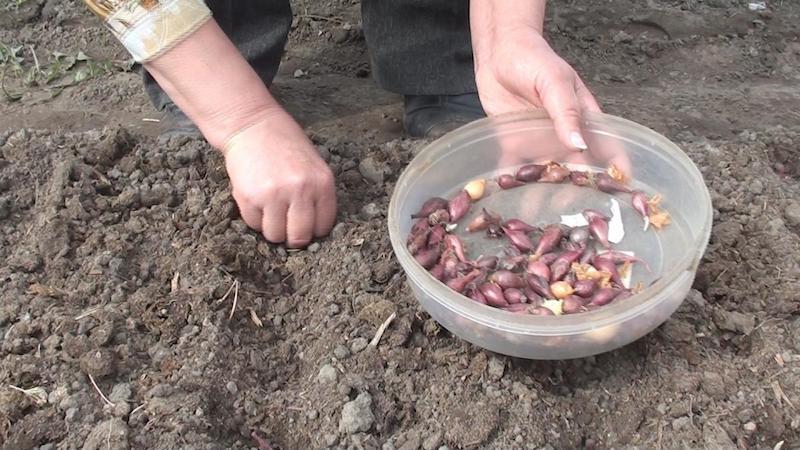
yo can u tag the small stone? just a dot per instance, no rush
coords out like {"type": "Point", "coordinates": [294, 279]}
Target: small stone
{"type": "Point", "coordinates": [358, 344]}
{"type": "Point", "coordinates": [716, 438]}
{"type": "Point", "coordinates": [745, 415]}
{"type": "Point", "coordinates": [72, 414]}
{"type": "Point", "coordinates": [372, 170]}
{"type": "Point", "coordinates": [444, 447]}
{"type": "Point", "coordinates": [25, 261]}
{"type": "Point", "coordinates": [661, 408]}
{"type": "Point", "coordinates": [622, 36]}
{"type": "Point", "coordinates": [98, 363]}
{"type": "Point", "coordinates": [750, 427]}
{"type": "Point", "coordinates": [681, 423]}
{"type": "Point", "coordinates": [341, 352]}
{"type": "Point", "coordinates": [48, 446]}
{"type": "Point", "coordinates": [433, 441]}
{"type": "Point", "coordinates": [357, 415]}
{"type": "Point", "coordinates": [792, 213]}
{"type": "Point", "coordinates": [327, 374]}
{"type": "Point", "coordinates": [339, 230]}
{"type": "Point", "coordinates": [388, 446]}
{"type": "Point", "coordinates": [232, 388]}
{"type": "Point", "coordinates": [370, 211]}
{"type": "Point", "coordinates": [299, 73]}
{"type": "Point", "coordinates": [314, 247]}
{"type": "Point", "coordinates": [340, 35]}
{"type": "Point", "coordinates": [112, 433]}
{"type": "Point", "coordinates": [756, 186]}
{"type": "Point", "coordinates": [312, 414]}
{"type": "Point", "coordinates": [696, 298]}
{"type": "Point", "coordinates": [735, 321]}
{"type": "Point", "coordinates": [713, 385]}
{"type": "Point", "coordinates": [496, 368]}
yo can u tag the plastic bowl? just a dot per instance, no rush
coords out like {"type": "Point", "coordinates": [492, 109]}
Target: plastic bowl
{"type": "Point", "coordinates": [495, 145]}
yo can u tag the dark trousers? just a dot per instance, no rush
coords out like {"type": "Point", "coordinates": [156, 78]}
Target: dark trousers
{"type": "Point", "coordinates": [416, 47]}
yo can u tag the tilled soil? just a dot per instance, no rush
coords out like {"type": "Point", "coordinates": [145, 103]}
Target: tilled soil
{"type": "Point", "coordinates": [123, 263]}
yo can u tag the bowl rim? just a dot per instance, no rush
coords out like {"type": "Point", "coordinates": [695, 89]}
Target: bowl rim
{"type": "Point", "coordinates": [546, 325]}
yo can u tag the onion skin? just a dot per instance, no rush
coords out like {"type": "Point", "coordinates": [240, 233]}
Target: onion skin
{"type": "Point", "coordinates": [428, 257]}
{"type": "Point", "coordinates": [483, 221]}
{"type": "Point", "coordinates": [562, 264]}
{"type": "Point", "coordinates": [589, 214]}
{"type": "Point", "coordinates": [530, 172]}
{"type": "Point", "coordinates": [451, 241]}
{"type": "Point", "coordinates": [514, 295]}
{"type": "Point", "coordinates": [516, 308]}
{"type": "Point", "coordinates": [573, 304]}
{"type": "Point", "coordinates": [476, 295]}
{"type": "Point", "coordinates": [539, 285]}
{"type": "Point", "coordinates": [507, 181]}
{"type": "Point", "coordinates": [604, 296]}
{"type": "Point", "coordinates": [493, 294]}
{"type": "Point", "coordinates": [460, 284]}
{"type": "Point", "coordinates": [418, 242]}
{"type": "Point", "coordinates": [507, 279]}
{"type": "Point", "coordinates": [438, 272]}
{"type": "Point", "coordinates": [439, 216]}
{"type": "Point", "coordinates": [494, 231]}
{"type": "Point", "coordinates": [605, 183]}
{"type": "Point", "coordinates": [619, 258]}
{"type": "Point", "coordinates": [554, 173]}
{"type": "Point", "coordinates": [579, 235]}
{"type": "Point", "coordinates": [549, 258]}
{"type": "Point", "coordinates": [458, 206]}
{"type": "Point", "coordinates": [486, 262]}
{"type": "Point", "coordinates": [430, 206]}
{"type": "Point", "coordinates": [580, 178]}
{"type": "Point", "coordinates": [599, 229]}
{"type": "Point", "coordinates": [437, 235]}
{"type": "Point", "coordinates": [639, 203]}
{"type": "Point", "coordinates": [585, 288]}
{"type": "Point", "coordinates": [542, 311]}
{"type": "Point", "coordinates": [550, 239]}
{"type": "Point", "coordinates": [607, 265]}
{"type": "Point", "coordinates": [519, 239]}
{"type": "Point", "coordinates": [587, 256]}
{"type": "Point", "coordinates": [561, 289]}
{"type": "Point", "coordinates": [518, 225]}
{"type": "Point", "coordinates": [537, 267]}
{"type": "Point", "coordinates": [511, 262]}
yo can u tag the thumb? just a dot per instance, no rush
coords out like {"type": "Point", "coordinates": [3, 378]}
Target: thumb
{"type": "Point", "coordinates": [562, 104]}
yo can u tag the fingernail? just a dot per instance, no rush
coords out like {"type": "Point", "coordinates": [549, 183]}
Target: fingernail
{"type": "Point", "coordinates": [577, 140]}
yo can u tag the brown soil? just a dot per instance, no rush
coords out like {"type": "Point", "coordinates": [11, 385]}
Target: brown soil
{"type": "Point", "coordinates": [121, 258]}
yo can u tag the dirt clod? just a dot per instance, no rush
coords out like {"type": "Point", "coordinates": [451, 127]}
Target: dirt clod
{"type": "Point", "coordinates": [357, 415]}
{"type": "Point", "coordinates": [98, 363]}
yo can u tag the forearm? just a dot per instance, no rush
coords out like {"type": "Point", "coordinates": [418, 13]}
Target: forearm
{"type": "Point", "coordinates": [213, 84]}
{"type": "Point", "coordinates": [490, 19]}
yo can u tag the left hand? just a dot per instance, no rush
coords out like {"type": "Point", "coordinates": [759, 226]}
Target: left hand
{"type": "Point", "coordinates": [517, 70]}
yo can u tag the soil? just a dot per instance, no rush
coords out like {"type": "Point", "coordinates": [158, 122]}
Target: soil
{"type": "Point", "coordinates": [123, 262]}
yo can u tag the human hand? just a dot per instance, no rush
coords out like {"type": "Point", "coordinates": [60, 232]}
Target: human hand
{"type": "Point", "coordinates": [282, 186]}
{"type": "Point", "coordinates": [517, 70]}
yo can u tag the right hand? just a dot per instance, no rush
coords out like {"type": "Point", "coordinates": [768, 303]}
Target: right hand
{"type": "Point", "coordinates": [282, 186]}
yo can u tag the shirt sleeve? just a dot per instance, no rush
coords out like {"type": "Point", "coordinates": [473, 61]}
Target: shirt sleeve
{"type": "Point", "coordinates": [149, 28]}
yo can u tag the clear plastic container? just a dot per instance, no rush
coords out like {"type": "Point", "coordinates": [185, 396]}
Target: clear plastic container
{"type": "Point", "coordinates": [499, 145]}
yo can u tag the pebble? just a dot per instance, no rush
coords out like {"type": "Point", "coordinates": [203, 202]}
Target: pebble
{"type": "Point", "coordinates": [357, 415]}
{"type": "Point", "coordinates": [433, 441]}
{"type": "Point", "coordinates": [112, 433]}
{"type": "Point", "coordinates": [312, 414]}
{"type": "Point", "coordinates": [372, 170]}
{"type": "Point", "coordinates": [371, 210]}
{"type": "Point", "coordinates": [341, 352]}
{"type": "Point", "coordinates": [496, 368]}
{"type": "Point", "coordinates": [792, 213]}
{"type": "Point", "coordinates": [327, 374]}
{"type": "Point", "coordinates": [339, 230]}
{"type": "Point", "coordinates": [713, 385]}
{"type": "Point", "coordinates": [98, 363]}
{"type": "Point", "coordinates": [756, 186]}
{"type": "Point", "coordinates": [735, 321]}
{"type": "Point", "coordinates": [314, 247]}
{"type": "Point", "coordinates": [750, 427]}
{"type": "Point", "coordinates": [72, 414]}
{"type": "Point", "coordinates": [358, 344]}
{"type": "Point", "coordinates": [680, 423]}
{"type": "Point", "coordinates": [299, 73]}
{"type": "Point", "coordinates": [232, 388]}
